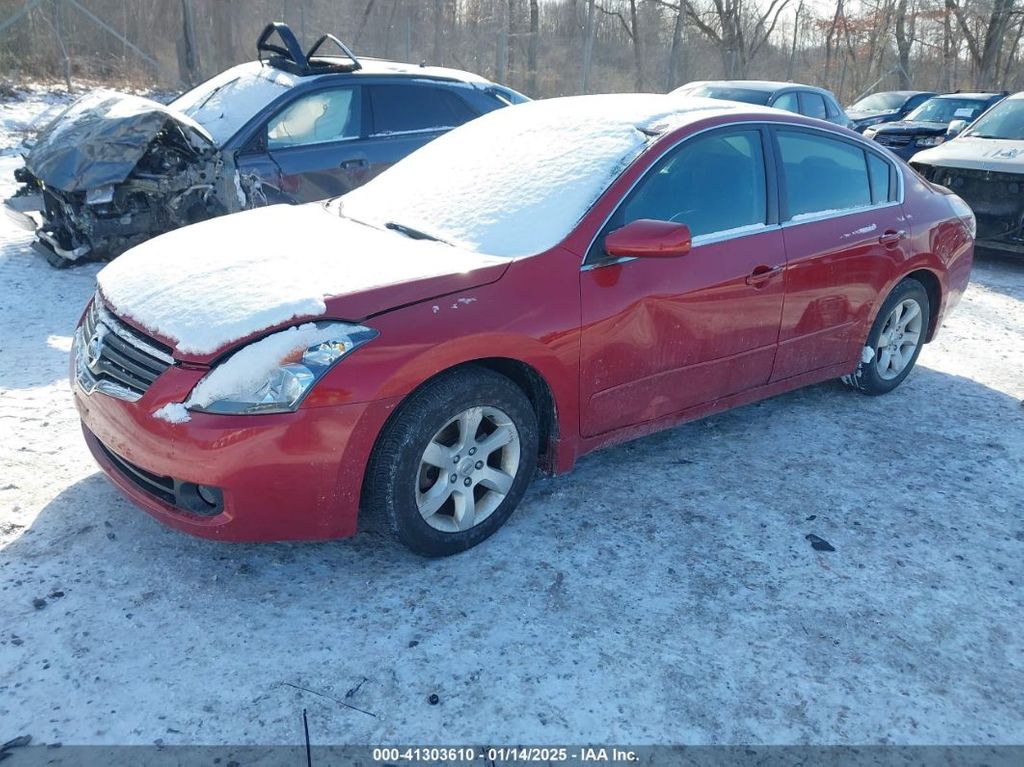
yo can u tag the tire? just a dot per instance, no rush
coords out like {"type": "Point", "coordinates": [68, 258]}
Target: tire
{"type": "Point", "coordinates": [427, 510]}
{"type": "Point", "coordinates": [908, 307]}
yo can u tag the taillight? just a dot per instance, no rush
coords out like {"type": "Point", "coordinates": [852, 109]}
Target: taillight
{"type": "Point", "coordinates": [963, 212]}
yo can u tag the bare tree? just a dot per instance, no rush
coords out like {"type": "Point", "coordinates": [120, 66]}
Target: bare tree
{"type": "Point", "coordinates": [985, 49]}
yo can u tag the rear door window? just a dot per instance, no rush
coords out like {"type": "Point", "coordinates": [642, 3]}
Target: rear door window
{"type": "Point", "coordinates": [788, 101]}
{"type": "Point", "coordinates": [404, 108]}
{"type": "Point", "coordinates": [812, 105]}
{"type": "Point", "coordinates": [822, 175]}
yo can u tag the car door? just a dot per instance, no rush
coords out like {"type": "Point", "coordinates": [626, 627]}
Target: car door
{"type": "Point", "coordinates": [310, 149]}
{"type": "Point", "coordinates": [844, 232]}
{"type": "Point", "coordinates": [663, 335]}
{"type": "Point", "coordinates": [404, 115]}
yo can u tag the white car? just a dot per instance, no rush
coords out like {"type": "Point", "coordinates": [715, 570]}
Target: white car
{"type": "Point", "coordinates": [985, 166]}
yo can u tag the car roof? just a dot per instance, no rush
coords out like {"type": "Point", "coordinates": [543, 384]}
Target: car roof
{"type": "Point", "coordinates": [761, 85]}
{"type": "Point", "coordinates": [976, 96]}
{"type": "Point", "coordinates": [370, 67]}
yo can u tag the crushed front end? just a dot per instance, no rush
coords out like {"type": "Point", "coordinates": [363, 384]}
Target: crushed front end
{"type": "Point", "coordinates": [115, 170]}
{"type": "Point", "coordinates": [996, 197]}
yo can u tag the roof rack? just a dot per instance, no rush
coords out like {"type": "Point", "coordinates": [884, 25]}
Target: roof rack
{"type": "Point", "coordinates": [288, 55]}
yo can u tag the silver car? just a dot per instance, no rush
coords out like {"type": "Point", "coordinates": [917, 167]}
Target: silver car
{"type": "Point", "coordinates": [793, 97]}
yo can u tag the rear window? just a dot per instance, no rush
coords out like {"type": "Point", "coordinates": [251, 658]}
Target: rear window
{"type": "Point", "coordinates": [822, 175]}
{"type": "Point", "coordinates": [413, 108]}
{"type": "Point", "coordinates": [746, 95]}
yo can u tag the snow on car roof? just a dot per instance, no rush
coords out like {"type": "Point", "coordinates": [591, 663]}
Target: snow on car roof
{"type": "Point", "coordinates": [517, 180]}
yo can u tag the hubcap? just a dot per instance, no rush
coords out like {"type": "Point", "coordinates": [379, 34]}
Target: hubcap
{"type": "Point", "coordinates": [900, 337]}
{"type": "Point", "coordinates": [467, 469]}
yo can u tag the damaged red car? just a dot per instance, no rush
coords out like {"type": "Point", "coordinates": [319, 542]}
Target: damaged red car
{"type": "Point", "coordinates": [535, 285]}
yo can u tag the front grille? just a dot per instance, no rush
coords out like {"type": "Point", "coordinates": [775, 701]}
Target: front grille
{"type": "Point", "coordinates": [997, 198]}
{"type": "Point", "coordinates": [116, 359]}
{"type": "Point", "coordinates": [186, 496]}
{"type": "Point", "coordinates": [893, 139]}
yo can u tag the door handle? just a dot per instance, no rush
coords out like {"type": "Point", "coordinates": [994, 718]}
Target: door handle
{"type": "Point", "coordinates": [891, 237]}
{"type": "Point", "coordinates": [353, 164]}
{"type": "Point", "coordinates": [761, 274]}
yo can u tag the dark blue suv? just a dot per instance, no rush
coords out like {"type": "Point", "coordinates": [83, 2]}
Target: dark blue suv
{"type": "Point", "coordinates": [294, 126]}
{"type": "Point", "coordinates": [929, 124]}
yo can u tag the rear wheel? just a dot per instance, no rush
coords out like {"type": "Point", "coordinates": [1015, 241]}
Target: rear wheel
{"type": "Point", "coordinates": [455, 461]}
{"type": "Point", "coordinates": [895, 340]}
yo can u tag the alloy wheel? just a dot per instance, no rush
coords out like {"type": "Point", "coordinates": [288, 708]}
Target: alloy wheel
{"type": "Point", "coordinates": [899, 339]}
{"type": "Point", "coordinates": [467, 469]}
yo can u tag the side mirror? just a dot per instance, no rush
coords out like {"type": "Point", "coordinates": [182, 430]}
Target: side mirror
{"type": "Point", "coordinates": [646, 238]}
{"type": "Point", "coordinates": [955, 128]}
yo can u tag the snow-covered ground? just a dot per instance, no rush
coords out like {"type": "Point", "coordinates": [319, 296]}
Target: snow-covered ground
{"type": "Point", "coordinates": [663, 592]}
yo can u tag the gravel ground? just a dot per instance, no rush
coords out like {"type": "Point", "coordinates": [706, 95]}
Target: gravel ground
{"type": "Point", "coordinates": [663, 592]}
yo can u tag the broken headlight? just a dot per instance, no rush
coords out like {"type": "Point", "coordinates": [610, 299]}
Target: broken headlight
{"type": "Point", "coordinates": [274, 374]}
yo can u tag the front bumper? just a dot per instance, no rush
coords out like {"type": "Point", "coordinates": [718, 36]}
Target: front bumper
{"type": "Point", "coordinates": [292, 476]}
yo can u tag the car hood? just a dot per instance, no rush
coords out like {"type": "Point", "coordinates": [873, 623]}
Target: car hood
{"type": "Point", "coordinates": [911, 126]}
{"type": "Point", "coordinates": [1003, 155]}
{"type": "Point", "coordinates": [870, 114]}
{"type": "Point", "coordinates": [99, 139]}
{"type": "Point", "coordinates": [204, 288]}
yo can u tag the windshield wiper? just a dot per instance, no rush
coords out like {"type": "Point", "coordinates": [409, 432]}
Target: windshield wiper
{"type": "Point", "coordinates": [408, 231]}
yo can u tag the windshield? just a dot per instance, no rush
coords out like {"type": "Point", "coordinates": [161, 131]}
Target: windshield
{"type": "Point", "coordinates": [228, 101]}
{"type": "Point", "coordinates": [943, 110]}
{"type": "Point", "coordinates": [1006, 120]}
{"type": "Point", "coordinates": [746, 95]}
{"type": "Point", "coordinates": [879, 102]}
{"type": "Point", "coordinates": [516, 181]}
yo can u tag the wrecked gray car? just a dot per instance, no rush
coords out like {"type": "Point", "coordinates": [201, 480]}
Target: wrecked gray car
{"type": "Point", "coordinates": [114, 170]}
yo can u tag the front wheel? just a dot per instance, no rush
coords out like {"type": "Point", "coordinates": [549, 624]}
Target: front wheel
{"type": "Point", "coordinates": [895, 340]}
{"type": "Point", "coordinates": [454, 462]}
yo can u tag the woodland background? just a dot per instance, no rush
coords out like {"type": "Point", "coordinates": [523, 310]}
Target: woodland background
{"type": "Point", "coordinates": [541, 47]}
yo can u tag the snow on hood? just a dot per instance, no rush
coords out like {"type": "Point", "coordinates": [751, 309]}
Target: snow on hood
{"type": "Point", "coordinates": [98, 140]}
{"type": "Point", "coordinates": [517, 180]}
{"type": "Point", "coordinates": [205, 286]}
{"type": "Point", "coordinates": [1004, 155]}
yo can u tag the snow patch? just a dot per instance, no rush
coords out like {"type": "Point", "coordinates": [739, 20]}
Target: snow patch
{"type": "Point", "coordinates": [173, 412]}
{"type": "Point", "coordinates": [60, 343]}
{"type": "Point", "coordinates": [867, 354]}
{"type": "Point", "coordinates": [863, 230]}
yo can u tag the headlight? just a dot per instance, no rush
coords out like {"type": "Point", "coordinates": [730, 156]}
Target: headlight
{"type": "Point", "coordinates": [274, 374]}
{"type": "Point", "coordinates": [964, 213]}
{"type": "Point", "coordinates": [930, 141]}
{"type": "Point", "coordinates": [870, 132]}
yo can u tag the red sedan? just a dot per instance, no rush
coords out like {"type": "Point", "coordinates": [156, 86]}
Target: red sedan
{"type": "Point", "coordinates": [542, 282]}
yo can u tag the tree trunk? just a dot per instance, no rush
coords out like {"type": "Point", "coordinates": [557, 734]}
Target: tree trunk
{"type": "Point", "coordinates": [903, 43]}
{"type": "Point", "coordinates": [588, 45]}
{"type": "Point", "coordinates": [638, 55]}
{"type": "Point", "coordinates": [531, 61]}
{"type": "Point", "coordinates": [672, 70]}
{"type": "Point", "coordinates": [188, 55]}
